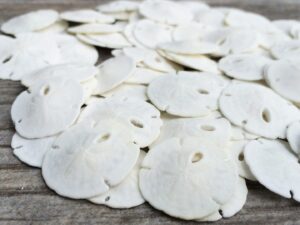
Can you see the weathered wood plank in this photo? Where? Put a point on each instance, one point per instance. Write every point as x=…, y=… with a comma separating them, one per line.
x=5, y=119
x=50, y=207
x=7, y=159
x=5, y=137
x=9, y=90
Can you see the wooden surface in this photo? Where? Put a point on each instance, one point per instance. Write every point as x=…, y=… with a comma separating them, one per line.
x=24, y=198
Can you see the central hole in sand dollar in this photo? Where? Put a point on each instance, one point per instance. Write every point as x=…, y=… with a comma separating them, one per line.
x=197, y=157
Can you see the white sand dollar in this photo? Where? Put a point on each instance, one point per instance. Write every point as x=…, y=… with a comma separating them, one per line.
x=30, y=22
x=86, y=16
x=47, y=108
x=128, y=33
x=286, y=50
x=195, y=7
x=118, y=6
x=156, y=62
x=197, y=62
x=89, y=158
x=110, y=40
x=113, y=72
x=187, y=95
x=274, y=166
x=185, y=172
x=236, y=150
x=31, y=151
x=207, y=129
x=239, y=134
x=165, y=11
x=232, y=41
x=242, y=19
x=285, y=25
x=59, y=26
x=190, y=47
x=143, y=76
x=27, y=54
x=293, y=136
x=141, y=118
x=150, y=34
x=127, y=194
x=234, y=205
x=212, y=17
x=191, y=31
x=128, y=91
x=78, y=72
x=269, y=38
x=244, y=66
x=257, y=109
x=121, y=16
x=136, y=53
x=284, y=78
x=89, y=88
x=97, y=28
x=74, y=51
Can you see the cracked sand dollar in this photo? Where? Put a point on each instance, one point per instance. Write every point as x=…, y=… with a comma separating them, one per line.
x=185, y=172
x=47, y=108
x=127, y=194
x=257, y=109
x=128, y=91
x=274, y=166
x=284, y=78
x=110, y=75
x=97, y=28
x=236, y=150
x=150, y=34
x=234, y=205
x=165, y=11
x=88, y=159
x=244, y=66
x=30, y=22
x=109, y=40
x=208, y=129
x=196, y=62
x=31, y=151
x=78, y=72
x=187, y=95
x=119, y=6
x=190, y=47
x=86, y=16
x=143, y=76
x=141, y=118
x=293, y=137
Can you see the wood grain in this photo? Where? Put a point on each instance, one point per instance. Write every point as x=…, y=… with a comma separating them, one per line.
x=24, y=197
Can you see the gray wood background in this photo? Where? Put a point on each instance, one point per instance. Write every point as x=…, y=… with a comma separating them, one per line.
x=25, y=199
